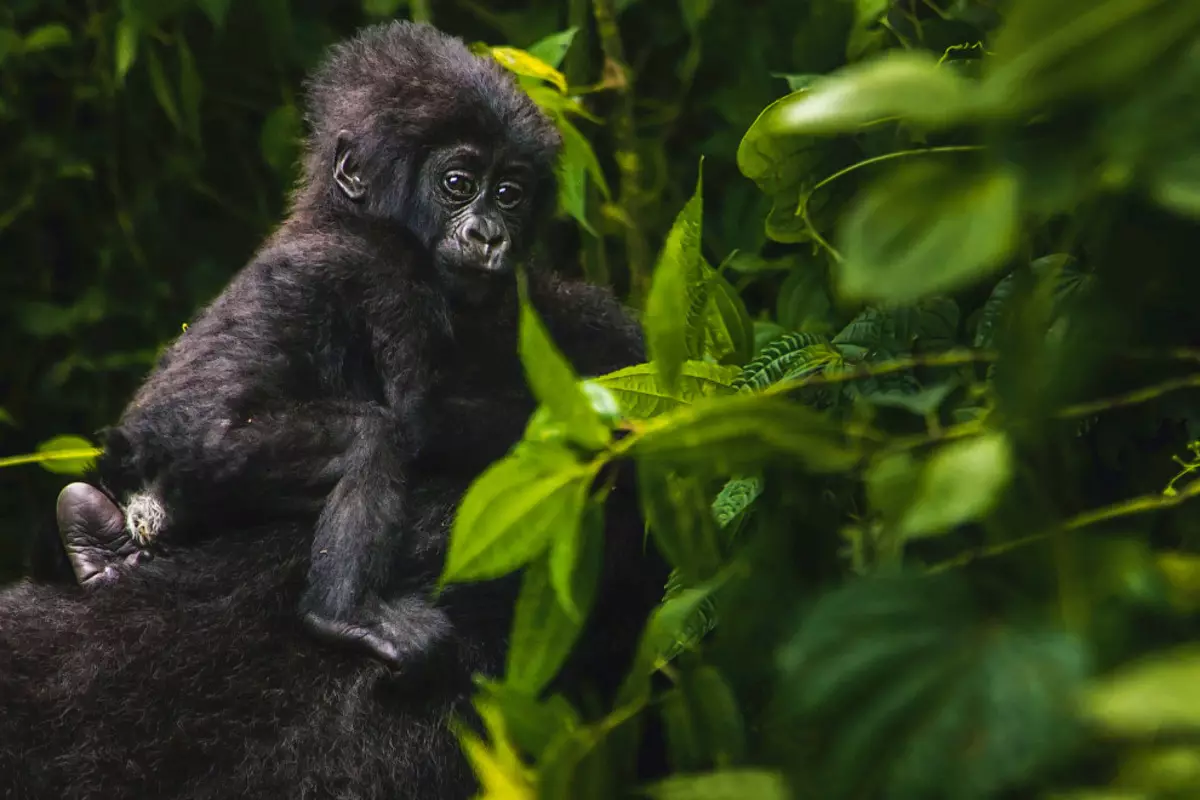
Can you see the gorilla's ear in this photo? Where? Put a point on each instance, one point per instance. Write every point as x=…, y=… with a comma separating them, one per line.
x=346, y=168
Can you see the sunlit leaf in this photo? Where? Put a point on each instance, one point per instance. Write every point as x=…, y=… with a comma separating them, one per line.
x=67, y=455
x=46, y=37
x=1159, y=694
x=912, y=676
x=576, y=562
x=907, y=84
x=552, y=49
x=513, y=510
x=961, y=482
x=126, y=47
x=925, y=229
x=733, y=784
x=671, y=292
x=531, y=723
x=554, y=382
x=739, y=434
x=524, y=63
x=641, y=393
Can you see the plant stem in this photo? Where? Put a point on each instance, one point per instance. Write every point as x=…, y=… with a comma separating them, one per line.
x=630, y=199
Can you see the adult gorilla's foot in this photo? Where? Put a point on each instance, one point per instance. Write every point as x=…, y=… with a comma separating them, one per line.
x=93, y=534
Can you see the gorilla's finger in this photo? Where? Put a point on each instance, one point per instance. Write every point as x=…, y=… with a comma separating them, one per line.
x=92, y=529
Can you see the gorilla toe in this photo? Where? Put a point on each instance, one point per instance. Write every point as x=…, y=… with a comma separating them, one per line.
x=92, y=529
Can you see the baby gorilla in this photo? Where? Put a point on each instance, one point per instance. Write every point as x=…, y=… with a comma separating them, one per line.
x=369, y=345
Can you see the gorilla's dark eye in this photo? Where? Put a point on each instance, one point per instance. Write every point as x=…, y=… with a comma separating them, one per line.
x=459, y=184
x=509, y=195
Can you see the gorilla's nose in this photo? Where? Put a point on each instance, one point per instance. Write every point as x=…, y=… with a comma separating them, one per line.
x=485, y=233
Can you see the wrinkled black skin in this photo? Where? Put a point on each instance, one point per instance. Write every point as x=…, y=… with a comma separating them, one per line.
x=311, y=433
x=372, y=340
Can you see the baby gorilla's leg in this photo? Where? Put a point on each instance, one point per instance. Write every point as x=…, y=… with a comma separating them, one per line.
x=93, y=533
x=405, y=633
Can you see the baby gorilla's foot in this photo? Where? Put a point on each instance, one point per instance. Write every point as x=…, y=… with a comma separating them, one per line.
x=93, y=534
x=403, y=633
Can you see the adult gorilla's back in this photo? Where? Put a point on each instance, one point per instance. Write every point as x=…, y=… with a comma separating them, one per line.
x=191, y=678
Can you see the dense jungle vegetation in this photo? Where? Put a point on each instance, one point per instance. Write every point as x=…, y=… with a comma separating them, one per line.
x=920, y=426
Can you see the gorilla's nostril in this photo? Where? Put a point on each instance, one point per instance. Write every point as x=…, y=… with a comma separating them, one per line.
x=484, y=232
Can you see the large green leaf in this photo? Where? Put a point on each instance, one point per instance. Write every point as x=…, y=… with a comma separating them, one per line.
x=513, y=511
x=961, y=482
x=543, y=632
x=728, y=331
x=916, y=692
x=907, y=84
x=553, y=49
x=925, y=229
x=641, y=393
x=739, y=434
x=931, y=323
x=678, y=277
x=732, y=784
x=1048, y=51
x=1156, y=695
x=554, y=382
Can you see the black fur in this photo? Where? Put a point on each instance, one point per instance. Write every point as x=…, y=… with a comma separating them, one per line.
x=358, y=373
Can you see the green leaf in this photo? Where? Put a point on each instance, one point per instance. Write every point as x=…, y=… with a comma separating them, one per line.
x=787, y=354
x=739, y=434
x=641, y=394
x=553, y=48
x=1158, y=695
x=718, y=716
x=554, y=383
x=931, y=323
x=162, y=89
x=918, y=692
x=802, y=303
x=675, y=281
x=7, y=418
x=191, y=90
x=67, y=455
x=907, y=84
x=733, y=784
x=576, y=162
x=1175, y=184
x=679, y=514
x=46, y=37
x=279, y=140
x=925, y=229
x=735, y=498
x=1049, y=51
x=543, y=633
x=729, y=333
x=665, y=628
x=961, y=482
x=576, y=562
x=216, y=10
x=126, y=47
x=513, y=510
x=531, y=723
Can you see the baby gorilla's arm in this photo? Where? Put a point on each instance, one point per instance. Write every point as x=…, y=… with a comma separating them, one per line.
x=92, y=529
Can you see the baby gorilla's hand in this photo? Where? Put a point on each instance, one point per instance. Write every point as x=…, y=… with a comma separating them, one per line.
x=93, y=534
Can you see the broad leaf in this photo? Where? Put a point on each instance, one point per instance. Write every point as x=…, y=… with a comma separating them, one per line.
x=513, y=510
x=906, y=674
x=739, y=434
x=524, y=63
x=1048, y=51
x=47, y=37
x=961, y=482
x=641, y=393
x=533, y=724
x=665, y=628
x=733, y=784
x=576, y=562
x=554, y=382
x=543, y=633
x=552, y=49
x=927, y=228
x=802, y=303
x=677, y=279
x=907, y=84
x=931, y=323
x=1157, y=695
x=728, y=331
x=62, y=455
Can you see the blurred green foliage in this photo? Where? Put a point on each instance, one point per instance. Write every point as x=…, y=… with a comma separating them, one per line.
x=918, y=433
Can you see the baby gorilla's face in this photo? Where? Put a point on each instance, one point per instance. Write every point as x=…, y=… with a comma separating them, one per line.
x=478, y=206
